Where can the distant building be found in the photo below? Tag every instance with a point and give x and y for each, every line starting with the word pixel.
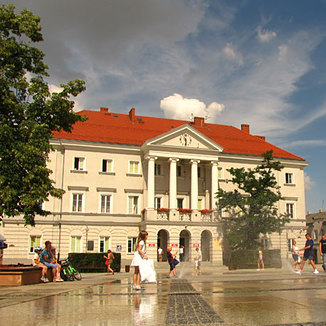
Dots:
pixel 316 226
pixel 124 173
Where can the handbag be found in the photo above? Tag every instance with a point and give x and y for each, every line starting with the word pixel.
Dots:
pixel 176 262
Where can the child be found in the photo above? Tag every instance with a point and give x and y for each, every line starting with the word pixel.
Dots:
pixel 37 263
pixel 109 259
pixel 261 265
pixel 295 255
pixel 144 267
pixel 198 261
pixel 172 261
pixel 308 254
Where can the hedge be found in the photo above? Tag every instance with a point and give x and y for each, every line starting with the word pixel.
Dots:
pixel 90 262
pixel 247 259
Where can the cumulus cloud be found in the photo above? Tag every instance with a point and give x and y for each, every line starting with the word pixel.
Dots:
pixel 309 183
pixel 265 36
pixel 178 107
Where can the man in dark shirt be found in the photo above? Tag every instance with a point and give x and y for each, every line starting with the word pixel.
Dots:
pixel 308 254
pixel 322 248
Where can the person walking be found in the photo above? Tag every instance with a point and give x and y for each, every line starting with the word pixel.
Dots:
pixel 109 260
pixel 261 265
pixel 322 249
pixel 197 261
pixel 172 261
pixel 308 254
pixel 144 267
pixel 295 255
pixel 160 254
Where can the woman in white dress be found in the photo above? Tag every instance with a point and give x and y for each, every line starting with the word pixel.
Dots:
pixel 144 267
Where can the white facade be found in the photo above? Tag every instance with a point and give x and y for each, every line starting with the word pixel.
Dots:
pixel 112 191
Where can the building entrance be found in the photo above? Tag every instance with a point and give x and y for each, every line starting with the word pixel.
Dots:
pixel 162 242
pixel 184 242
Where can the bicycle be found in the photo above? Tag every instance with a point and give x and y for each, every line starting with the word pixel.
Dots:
pixel 68 272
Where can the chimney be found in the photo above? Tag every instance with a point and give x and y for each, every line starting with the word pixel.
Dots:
pixel 245 128
pixel 261 137
pixel 199 121
pixel 132 116
pixel 104 110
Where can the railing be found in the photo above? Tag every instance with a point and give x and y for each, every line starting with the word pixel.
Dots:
pixel 185 217
pixel 162 216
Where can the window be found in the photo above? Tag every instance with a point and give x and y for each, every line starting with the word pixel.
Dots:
pixel 75 244
pixel 107 166
pixel 134 167
pixel 290 244
pixel 157 202
pixel 79 163
pixel 289 178
pixel 179 171
pixel 77 202
pixel 105 203
pixel 158 169
pixel 132 242
pixel 35 241
pixel 133 204
pixel 290 209
pixel 198 172
pixel 180 202
pixel 220 173
pixel 104 244
pixel 200 204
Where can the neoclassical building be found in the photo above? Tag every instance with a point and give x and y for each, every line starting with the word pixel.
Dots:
pixel 123 173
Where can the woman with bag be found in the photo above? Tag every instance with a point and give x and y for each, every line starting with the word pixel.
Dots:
pixel 109 259
pixel 144 267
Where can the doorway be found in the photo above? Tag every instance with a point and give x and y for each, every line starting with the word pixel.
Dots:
pixel 184 241
pixel 162 242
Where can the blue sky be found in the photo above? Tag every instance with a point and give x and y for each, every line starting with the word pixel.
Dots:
pixel 232 61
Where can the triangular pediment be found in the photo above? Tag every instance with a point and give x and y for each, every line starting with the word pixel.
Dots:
pixel 184 136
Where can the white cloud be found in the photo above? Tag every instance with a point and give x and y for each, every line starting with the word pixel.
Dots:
pixel 265 35
pixel 308 183
pixel 232 54
pixel 306 143
pixel 178 107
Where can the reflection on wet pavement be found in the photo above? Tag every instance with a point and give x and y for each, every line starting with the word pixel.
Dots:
pixel 270 299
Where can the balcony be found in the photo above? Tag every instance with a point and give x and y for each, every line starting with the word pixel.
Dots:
pixel 185 214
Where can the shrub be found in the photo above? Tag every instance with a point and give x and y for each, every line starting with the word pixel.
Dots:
pixel 88 262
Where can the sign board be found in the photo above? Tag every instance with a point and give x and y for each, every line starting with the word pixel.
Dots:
pixel 196 245
pixel 151 245
pixel 174 245
pixel 119 248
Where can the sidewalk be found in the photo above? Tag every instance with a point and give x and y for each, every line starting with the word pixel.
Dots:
pixel 218 296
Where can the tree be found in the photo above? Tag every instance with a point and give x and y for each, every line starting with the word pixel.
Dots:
pixel 252 206
pixel 28 115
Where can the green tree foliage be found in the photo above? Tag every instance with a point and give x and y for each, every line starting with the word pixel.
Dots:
pixel 28 115
pixel 252 205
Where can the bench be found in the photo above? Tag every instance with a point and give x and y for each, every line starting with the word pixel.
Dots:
pixel 15 275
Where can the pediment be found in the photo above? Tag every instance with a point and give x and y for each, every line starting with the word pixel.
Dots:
pixel 184 136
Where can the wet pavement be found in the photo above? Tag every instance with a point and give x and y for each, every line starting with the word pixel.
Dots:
pixel 216 297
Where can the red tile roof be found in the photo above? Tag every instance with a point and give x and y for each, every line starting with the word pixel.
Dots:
pixel 108 127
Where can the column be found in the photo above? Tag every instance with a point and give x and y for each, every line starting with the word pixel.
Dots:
pixel 151 182
pixel 173 183
pixel 194 184
pixel 214 183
